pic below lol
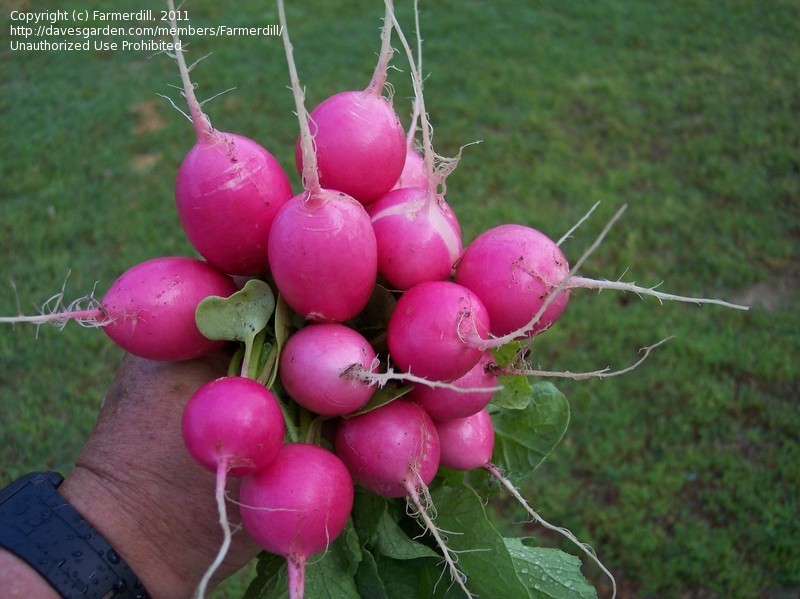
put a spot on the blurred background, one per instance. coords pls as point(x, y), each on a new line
point(685, 474)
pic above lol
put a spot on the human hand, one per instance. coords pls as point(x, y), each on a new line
point(137, 485)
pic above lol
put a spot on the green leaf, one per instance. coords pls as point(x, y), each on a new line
point(368, 511)
point(482, 553)
point(283, 329)
point(516, 391)
point(368, 580)
point(505, 354)
point(373, 318)
point(393, 542)
point(515, 394)
point(524, 438)
point(404, 579)
point(271, 578)
point(238, 317)
point(549, 573)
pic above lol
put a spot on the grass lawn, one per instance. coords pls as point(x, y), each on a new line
point(685, 474)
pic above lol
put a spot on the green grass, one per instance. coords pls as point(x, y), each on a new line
point(684, 475)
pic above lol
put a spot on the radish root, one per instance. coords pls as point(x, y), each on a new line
point(222, 477)
point(420, 511)
point(87, 311)
point(358, 372)
point(496, 473)
point(579, 376)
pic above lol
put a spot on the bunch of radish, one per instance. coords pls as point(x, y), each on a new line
point(373, 346)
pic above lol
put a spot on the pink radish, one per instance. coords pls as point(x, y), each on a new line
point(416, 237)
point(322, 251)
point(233, 422)
point(419, 238)
point(524, 280)
point(232, 426)
point(149, 310)
point(447, 404)
point(467, 443)
point(414, 173)
point(434, 328)
point(513, 269)
point(394, 451)
point(227, 192)
point(327, 351)
point(389, 448)
point(297, 506)
point(323, 255)
point(360, 143)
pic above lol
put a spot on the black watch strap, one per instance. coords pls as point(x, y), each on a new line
point(42, 529)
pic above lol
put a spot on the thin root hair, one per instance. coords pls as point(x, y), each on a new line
point(261, 508)
point(196, 62)
point(327, 542)
point(175, 106)
point(84, 310)
point(217, 95)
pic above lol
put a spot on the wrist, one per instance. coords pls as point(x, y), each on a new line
point(110, 506)
point(44, 532)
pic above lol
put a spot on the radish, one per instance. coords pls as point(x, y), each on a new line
point(513, 269)
point(327, 351)
point(149, 310)
point(418, 236)
point(414, 173)
point(434, 328)
point(360, 143)
point(227, 191)
point(390, 448)
point(323, 255)
point(448, 404)
point(297, 506)
point(151, 307)
point(322, 250)
point(394, 451)
point(232, 426)
point(467, 443)
point(524, 280)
